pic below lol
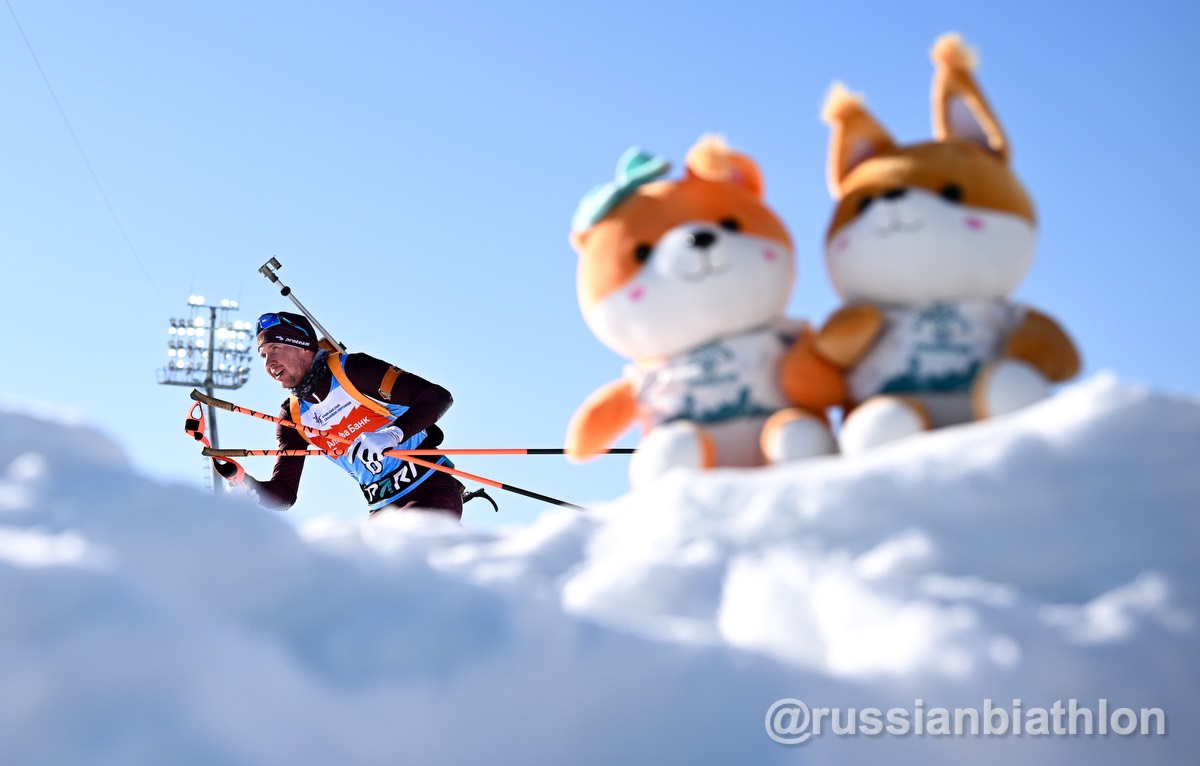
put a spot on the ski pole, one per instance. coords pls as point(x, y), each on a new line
point(195, 427)
point(210, 452)
point(221, 404)
point(231, 407)
point(494, 483)
point(268, 271)
point(409, 455)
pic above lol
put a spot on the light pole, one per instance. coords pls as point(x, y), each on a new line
point(210, 352)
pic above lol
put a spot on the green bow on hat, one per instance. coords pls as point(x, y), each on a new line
point(634, 169)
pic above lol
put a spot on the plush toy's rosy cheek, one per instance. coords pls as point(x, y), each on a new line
point(974, 223)
point(637, 293)
point(841, 243)
point(770, 254)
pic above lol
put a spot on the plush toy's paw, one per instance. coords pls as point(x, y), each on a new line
point(1006, 386)
point(795, 434)
point(809, 380)
point(681, 444)
point(880, 420)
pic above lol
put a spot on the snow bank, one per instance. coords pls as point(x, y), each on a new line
point(1047, 556)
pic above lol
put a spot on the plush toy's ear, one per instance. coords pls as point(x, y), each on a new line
point(713, 160)
point(959, 108)
point(578, 240)
point(855, 135)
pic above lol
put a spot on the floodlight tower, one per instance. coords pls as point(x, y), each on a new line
point(210, 352)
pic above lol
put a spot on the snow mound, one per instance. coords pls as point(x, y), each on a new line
point(1046, 556)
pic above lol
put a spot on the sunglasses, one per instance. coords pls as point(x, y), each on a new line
point(270, 319)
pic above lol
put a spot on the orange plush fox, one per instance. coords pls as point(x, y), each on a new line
point(689, 278)
point(926, 244)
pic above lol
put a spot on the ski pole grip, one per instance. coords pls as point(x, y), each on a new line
point(210, 401)
point(213, 452)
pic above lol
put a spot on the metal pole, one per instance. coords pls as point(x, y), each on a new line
point(208, 388)
point(201, 368)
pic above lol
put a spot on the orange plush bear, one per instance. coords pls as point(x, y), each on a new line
point(689, 279)
point(926, 244)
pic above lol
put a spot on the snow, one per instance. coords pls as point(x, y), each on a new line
point(1047, 556)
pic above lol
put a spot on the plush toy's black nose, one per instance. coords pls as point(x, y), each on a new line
point(702, 239)
point(896, 193)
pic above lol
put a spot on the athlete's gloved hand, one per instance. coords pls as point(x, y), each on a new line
point(241, 484)
point(369, 448)
point(247, 488)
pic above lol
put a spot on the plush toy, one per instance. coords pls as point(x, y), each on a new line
point(926, 245)
point(689, 278)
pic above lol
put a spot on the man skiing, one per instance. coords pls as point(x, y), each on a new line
point(361, 399)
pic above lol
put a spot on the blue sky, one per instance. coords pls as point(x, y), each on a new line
point(415, 168)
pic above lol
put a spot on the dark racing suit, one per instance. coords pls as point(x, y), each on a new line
point(348, 394)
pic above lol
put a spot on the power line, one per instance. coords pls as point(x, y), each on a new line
point(95, 179)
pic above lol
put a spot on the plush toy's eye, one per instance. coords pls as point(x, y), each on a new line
point(865, 203)
point(952, 193)
point(731, 224)
point(642, 253)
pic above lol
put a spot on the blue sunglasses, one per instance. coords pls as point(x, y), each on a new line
point(270, 319)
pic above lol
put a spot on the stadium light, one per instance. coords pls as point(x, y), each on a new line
point(208, 350)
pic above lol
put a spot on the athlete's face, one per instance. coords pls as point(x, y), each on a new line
point(286, 364)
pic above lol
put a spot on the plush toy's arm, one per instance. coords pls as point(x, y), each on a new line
point(849, 334)
point(1041, 342)
point(599, 421)
point(808, 379)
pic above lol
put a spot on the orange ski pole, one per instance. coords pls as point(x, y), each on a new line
point(211, 452)
point(224, 405)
